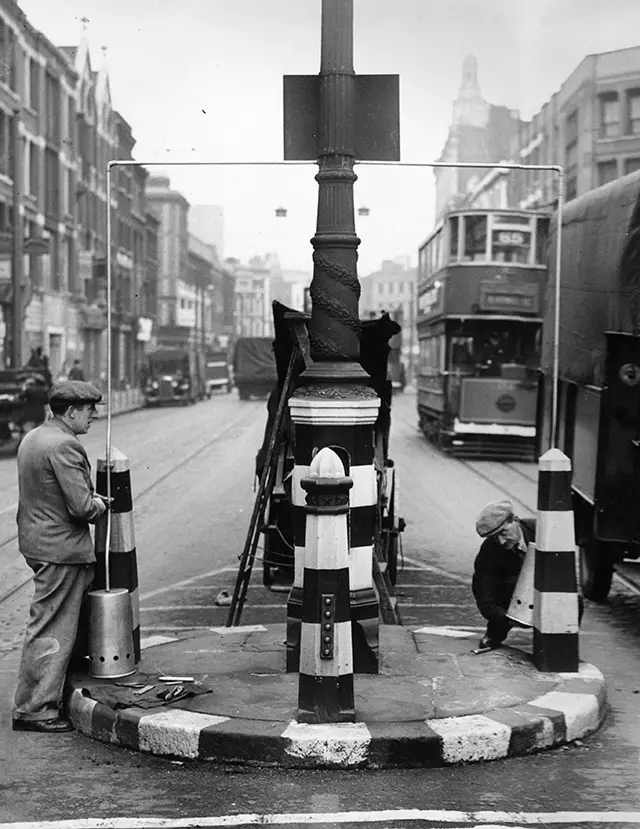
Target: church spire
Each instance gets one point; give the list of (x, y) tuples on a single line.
[(470, 108)]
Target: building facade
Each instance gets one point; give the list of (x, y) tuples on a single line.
[(590, 127), (479, 131)]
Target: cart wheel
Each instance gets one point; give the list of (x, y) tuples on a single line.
[(595, 574)]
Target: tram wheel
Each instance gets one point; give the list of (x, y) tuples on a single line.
[(595, 574)]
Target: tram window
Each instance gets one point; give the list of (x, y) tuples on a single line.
[(461, 354), (453, 237), (542, 241), (475, 238), (511, 246)]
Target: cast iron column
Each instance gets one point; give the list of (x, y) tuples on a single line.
[(334, 405)]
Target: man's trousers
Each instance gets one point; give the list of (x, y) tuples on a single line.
[(50, 637)]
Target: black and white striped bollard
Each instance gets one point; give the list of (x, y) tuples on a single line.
[(555, 615), (123, 564), (325, 681)]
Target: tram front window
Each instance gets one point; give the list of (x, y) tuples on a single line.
[(511, 246), (475, 239), (496, 352)]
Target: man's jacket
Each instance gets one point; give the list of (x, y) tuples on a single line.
[(496, 572), (55, 504)]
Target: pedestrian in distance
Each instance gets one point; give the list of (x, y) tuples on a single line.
[(497, 567), (76, 372), (56, 505)]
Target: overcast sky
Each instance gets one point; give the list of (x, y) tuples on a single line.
[(202, 79)]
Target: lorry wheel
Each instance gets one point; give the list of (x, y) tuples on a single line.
[(595, 575)]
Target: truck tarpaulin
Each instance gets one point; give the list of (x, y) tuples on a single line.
[(600, 278), (254, 361)]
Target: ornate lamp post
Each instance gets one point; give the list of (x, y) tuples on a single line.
[(336, 117)]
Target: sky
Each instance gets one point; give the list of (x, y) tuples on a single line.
[(202, 80)]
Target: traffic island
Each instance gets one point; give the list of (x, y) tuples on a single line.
[(433, 703)]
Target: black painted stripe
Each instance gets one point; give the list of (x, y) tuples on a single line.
[(555, 572), (362, 522), (363, 604), (120, 489), (324, 699), (333, 582), (299, 518), (554, 491), (136, 644), (123, 570), (556, 651), (356, 440)]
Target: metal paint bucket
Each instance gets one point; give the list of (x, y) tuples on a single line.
[(521, 607), (111, 653)]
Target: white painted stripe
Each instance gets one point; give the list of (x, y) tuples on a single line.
[(240, 629), (158, 639), (487, 820), (343, 744), (581, 711), (174, 732), (555, 612), (81, 710), (471, 738), (298, 566), (585, 671), (327, 543), (298, 495), (361, 567), (555, 532), (311, 644), (160, 590), (443, 631), (123, 534), (171, 608), (363, 493), (334, 412)]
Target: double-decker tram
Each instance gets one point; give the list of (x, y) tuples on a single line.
[(481, 284)]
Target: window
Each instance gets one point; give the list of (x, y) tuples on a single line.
[(572, 187), (510, 245), (34, 168), (633, 109), (631, 165), (572, 155), (453, 237), (609, 115), (607, 171), (542, 240), (52, 90), (571, 128), (34, 85), (52, 183), (27, 80), (475, 239)]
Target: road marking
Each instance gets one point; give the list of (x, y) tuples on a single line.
[(445, 631), (431, 568), (486, 820), (161, 590), (171, 608)]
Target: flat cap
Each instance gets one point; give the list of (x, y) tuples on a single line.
[(74, 391), (493, 516)]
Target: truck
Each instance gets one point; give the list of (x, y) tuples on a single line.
[(254, 367), (598, 361)]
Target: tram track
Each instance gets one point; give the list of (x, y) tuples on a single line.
[(426, 447), (239, 421)]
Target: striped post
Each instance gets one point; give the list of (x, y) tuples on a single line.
[(346, 422), (555, 613), (325, 681), (123, 565)]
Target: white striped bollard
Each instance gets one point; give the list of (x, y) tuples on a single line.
[(555, 614), (325, 680), (123, 564)]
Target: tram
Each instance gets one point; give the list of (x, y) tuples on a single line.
[(481, 282), (598, 414)]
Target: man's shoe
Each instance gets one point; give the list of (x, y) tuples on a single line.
[(55, 726), (487, 644)]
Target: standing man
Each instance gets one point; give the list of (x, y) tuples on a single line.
[(497, 567), (56, 504)]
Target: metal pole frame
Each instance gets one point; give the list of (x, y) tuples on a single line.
[(554, 168)]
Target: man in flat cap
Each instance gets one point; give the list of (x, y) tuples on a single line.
[(497, 567), (56, 505)]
